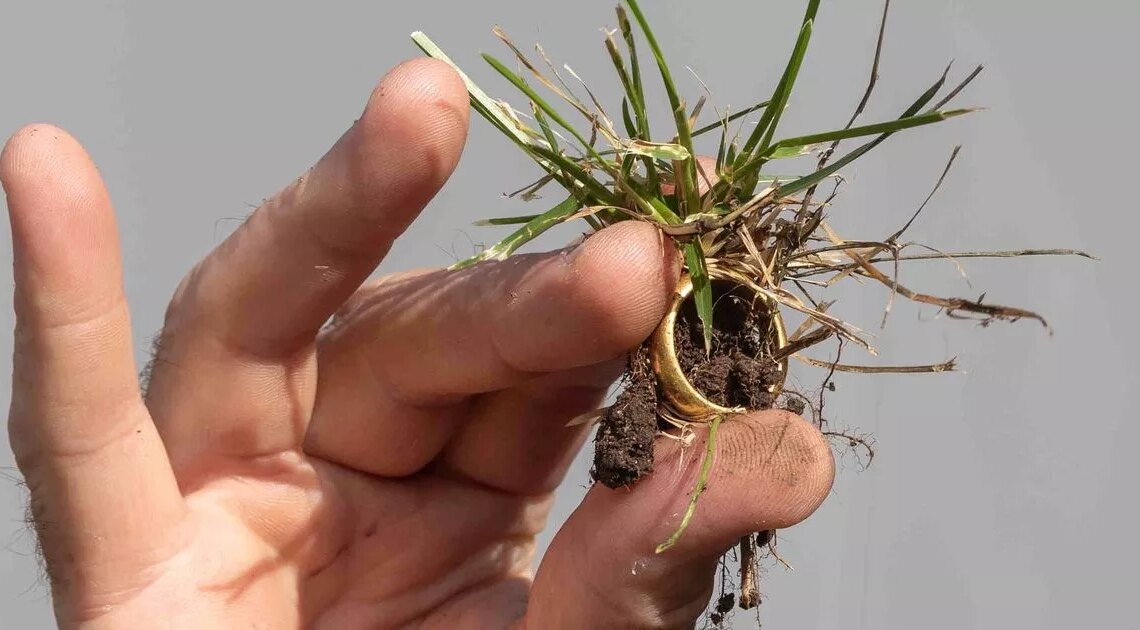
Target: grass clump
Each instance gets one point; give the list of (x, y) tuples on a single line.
[(756, 245)]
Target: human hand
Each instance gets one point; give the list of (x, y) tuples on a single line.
[(389, 469)]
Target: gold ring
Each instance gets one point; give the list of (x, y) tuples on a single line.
[(681, 395)]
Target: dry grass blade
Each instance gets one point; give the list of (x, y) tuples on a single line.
[(745, 276), (815, 262), (1012, 253), (809, 324), (951, 306), (941, 179), (935, 368), (534, 227), (817, 336), (565, 95)]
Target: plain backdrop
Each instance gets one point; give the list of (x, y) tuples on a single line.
[(1002, 496)]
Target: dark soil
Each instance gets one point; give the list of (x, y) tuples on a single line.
[(794, 405), (739, 372), (723, 607), (623, 447)]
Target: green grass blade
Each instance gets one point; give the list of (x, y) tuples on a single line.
[(486, 106), (523, 87), (594, 187), (544, 124), (889, 126), (810, 180), (737, 116), (780, 100), (721, 151), (627, 118), (791, 147), (698, 490), (533, 228), (686, 179), (491, 110), (626, 82), (636, 122), (783, 153), (667, 214), (506, 220), (654, 209), (802, 183), (958, 89), (631, 129), (627, 168), (641, 117), (928, 95), (767, 125), (702, 288), (637, 87), (697, 109)]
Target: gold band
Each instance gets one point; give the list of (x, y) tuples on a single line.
[(679, 393)]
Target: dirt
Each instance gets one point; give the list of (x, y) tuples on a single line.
[(723, 607), (623, 446), (738, 373), (794, 405)]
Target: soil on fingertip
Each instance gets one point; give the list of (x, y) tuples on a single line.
[(738, 373)]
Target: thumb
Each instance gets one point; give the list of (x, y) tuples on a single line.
[(771, 470)]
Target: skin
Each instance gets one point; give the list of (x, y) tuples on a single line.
[(388, 469)]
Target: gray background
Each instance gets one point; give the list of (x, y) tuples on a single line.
[(1003, 497)]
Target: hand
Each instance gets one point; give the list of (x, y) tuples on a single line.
[(389, 469)]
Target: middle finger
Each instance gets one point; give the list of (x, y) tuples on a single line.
[(398, 369), (234, 375)]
